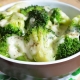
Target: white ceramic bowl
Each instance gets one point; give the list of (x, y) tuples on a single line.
[(20, 69)]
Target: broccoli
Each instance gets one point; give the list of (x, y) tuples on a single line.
[(10, 29), (39, 44), (26, 10), (59, 17), (11, 48), (15, 25), (59, 20), (38, 37), (4, 46), (70, 43), (75, 24), (2, 16), (67, 47), (37, 18)]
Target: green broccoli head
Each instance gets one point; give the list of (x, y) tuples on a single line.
[(67, 46), (26, 10), (60, 21), (59, 17), (10, 29), (15, 25), (75, 24), (37, 18), (38, 37)]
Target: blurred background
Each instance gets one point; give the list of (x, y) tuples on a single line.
[(72, 2)]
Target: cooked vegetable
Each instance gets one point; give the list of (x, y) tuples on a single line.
[(4, 46), (37, 18), (38, 33), (67, 47), (75, 24), (60, 21), (39, 38), (1, 16), (70, 44), (39, 41), (13, 46), (14, 25), (59, 17), (26, 10)]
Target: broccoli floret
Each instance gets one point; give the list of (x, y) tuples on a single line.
[(67, 47), (70, 43), (39, 44), (37, 18), (59, 17), (75, 24), (15, 25), (60, 21), (45, 50), (39, 39), (10, 29), (26, 10), (2, 16)]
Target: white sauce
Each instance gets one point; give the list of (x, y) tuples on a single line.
[(16, 7), (31, 49), (55, 28), (47, 8), (17, 47), (3, 22), (74, 35), (61, 40), (16, 43)]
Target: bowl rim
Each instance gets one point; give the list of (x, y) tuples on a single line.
[(40, 63)]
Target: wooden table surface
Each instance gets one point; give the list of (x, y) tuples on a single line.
[(3, 2), (72, 2)]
